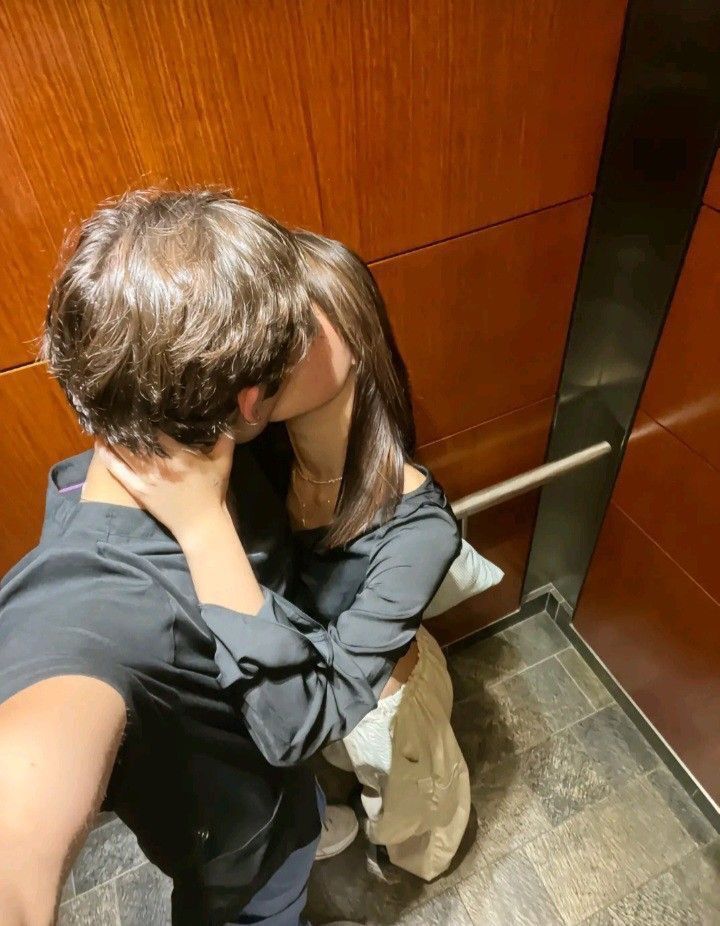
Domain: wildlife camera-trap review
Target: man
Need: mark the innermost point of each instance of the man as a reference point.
(171, 308)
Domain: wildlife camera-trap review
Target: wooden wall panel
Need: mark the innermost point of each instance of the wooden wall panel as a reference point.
(99, 97)
(26, 256)
(482, 320)
(434, 118)
(659, 633)
(712, 191)
(492, 451)
(683, 390)
(38, 430)
(673, 495)
(470, 461)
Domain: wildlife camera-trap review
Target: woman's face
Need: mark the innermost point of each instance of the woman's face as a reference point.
(317, 379)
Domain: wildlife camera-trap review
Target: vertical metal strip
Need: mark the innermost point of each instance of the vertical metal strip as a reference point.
(660, 142)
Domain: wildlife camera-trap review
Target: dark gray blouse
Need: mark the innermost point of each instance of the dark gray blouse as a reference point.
(363, 602)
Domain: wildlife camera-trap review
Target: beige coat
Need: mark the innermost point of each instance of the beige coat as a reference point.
(416, 788)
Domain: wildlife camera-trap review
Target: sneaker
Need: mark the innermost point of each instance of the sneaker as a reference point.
(339, 829)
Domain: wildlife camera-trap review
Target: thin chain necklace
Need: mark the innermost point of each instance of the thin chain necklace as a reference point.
(316, 482)
(323, 505)
(328, 502)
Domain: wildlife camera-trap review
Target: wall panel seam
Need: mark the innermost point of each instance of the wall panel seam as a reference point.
(665, 553)
(672, 434)
(480, 424)
(473, 231)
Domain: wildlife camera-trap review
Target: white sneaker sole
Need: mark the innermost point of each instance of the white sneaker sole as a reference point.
(332, 851)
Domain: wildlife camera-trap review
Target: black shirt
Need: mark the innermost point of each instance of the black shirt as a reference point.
(219, 703)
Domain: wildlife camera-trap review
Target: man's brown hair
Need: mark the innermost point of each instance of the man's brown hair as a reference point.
(168, 305)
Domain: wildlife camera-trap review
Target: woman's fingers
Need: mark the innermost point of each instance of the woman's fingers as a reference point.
(224, 448)
(125, 475)
(173, 448)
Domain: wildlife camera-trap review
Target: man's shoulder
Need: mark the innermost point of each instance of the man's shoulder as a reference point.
(74, 596)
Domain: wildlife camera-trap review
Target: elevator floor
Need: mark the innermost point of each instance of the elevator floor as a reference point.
(575, 818)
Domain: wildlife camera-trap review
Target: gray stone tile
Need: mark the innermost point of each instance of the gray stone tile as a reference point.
(494, 724)
(659, 902)
(513, 715)
(606, 851)
(95, 908)
(109, 850)
(537, 638)
(592, 687)
(613, 741)
(603, 918)
(488, 660)
(688, 894)
(509, 891)
(342, 888)
(563, 776)
(677, 799)
(144, 897)
(509, 813)
(444, 910)
(546, 689)
(698, 877)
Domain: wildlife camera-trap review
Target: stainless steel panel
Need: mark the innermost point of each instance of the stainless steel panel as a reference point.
(659, 146)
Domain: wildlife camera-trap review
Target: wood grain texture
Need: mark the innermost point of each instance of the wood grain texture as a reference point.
(38, 430)
(658, 632)
(473, 460)
(434, 118)
(97, 97)
(683, 389)
(490, 452)
(712, 191)
(27, 254)
(673, 495)
(482, 320)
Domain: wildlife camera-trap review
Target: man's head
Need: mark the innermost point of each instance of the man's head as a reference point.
(168, 307)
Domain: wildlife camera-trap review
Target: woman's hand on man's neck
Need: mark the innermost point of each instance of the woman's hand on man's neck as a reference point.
(101, 486)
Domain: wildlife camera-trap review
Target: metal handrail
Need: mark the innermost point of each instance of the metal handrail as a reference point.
(526, 482)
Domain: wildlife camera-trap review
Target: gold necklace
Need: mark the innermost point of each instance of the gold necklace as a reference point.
(322, 503)
(316, 482)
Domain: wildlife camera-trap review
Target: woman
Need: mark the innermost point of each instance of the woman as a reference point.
(374, 537)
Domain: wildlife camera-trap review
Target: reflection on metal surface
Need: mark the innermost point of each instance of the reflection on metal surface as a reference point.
(659, 146)
(526, 482)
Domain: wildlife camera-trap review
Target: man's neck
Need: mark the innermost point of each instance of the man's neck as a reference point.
(320, 437)
(101, 486)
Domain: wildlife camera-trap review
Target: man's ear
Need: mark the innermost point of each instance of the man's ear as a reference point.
(248, 401)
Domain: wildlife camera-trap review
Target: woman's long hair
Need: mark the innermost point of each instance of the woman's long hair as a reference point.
(382, 430)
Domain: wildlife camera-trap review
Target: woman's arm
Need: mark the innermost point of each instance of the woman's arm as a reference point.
(300, 685)
(187, 492)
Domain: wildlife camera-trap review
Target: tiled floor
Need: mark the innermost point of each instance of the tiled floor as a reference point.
(575, 820)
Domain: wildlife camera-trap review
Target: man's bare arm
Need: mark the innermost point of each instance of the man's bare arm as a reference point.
(58, 742)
